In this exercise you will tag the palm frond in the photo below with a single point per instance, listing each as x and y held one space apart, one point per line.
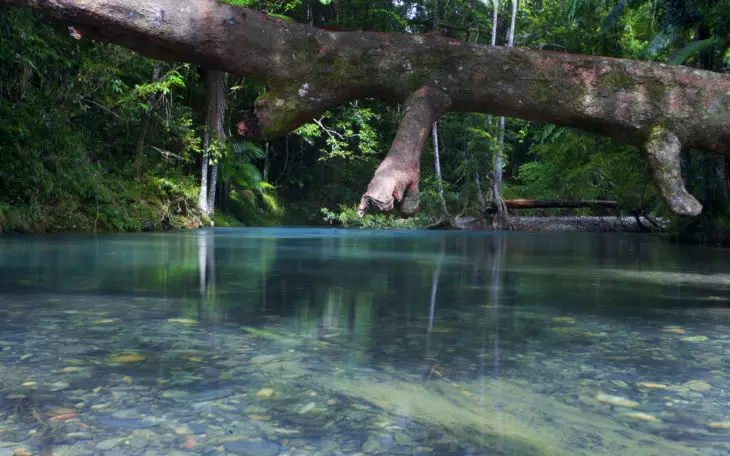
251 174
246 151
694 49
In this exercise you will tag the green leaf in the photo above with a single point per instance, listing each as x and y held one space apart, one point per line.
694 49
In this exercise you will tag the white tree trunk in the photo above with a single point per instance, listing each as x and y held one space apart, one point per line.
212 190
437 164
511 34
203 194
495 16
501 219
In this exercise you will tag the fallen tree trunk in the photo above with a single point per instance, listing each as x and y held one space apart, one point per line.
553 204
661 109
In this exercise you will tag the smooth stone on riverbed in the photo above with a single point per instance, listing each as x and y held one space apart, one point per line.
197 396
122 423
78 449
642 417
263 359
252 447
694 339
719 425
108 444
616 400
265 393
698 385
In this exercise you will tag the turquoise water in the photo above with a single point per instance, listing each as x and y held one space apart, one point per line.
323 341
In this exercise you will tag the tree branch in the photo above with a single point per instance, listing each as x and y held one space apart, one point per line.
310 70
395 183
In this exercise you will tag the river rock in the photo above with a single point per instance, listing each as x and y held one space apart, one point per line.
252 447
698 385
616 400
108 444
694 339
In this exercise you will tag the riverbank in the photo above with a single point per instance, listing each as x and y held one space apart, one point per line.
595 224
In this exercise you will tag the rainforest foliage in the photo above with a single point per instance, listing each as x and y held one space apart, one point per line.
97 138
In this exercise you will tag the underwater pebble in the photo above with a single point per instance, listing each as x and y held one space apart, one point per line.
652 385
307 408
698 385
127 358
182 321
252 447
642 417
719 425
264 393
371 445
108 444
58 386
616 400
263 359
694 339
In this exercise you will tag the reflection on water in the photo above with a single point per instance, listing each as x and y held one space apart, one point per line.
335 342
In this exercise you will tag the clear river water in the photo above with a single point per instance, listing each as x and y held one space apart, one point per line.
350 342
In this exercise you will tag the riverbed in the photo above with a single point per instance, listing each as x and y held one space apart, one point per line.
346 342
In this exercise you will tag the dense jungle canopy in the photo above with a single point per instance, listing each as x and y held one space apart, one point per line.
98 137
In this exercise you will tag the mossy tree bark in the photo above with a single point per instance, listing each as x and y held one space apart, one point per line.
215 112
310 70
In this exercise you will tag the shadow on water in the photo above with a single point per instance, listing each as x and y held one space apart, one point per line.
266 341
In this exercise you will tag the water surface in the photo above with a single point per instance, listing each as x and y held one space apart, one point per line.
337 342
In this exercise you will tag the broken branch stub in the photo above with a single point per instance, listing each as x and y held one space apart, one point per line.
395 183
663 151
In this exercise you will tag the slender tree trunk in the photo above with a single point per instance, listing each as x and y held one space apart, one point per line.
145 123
203 194
480 195
212 190
501 219
437 165
266 159
493 43
215 112
495 16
